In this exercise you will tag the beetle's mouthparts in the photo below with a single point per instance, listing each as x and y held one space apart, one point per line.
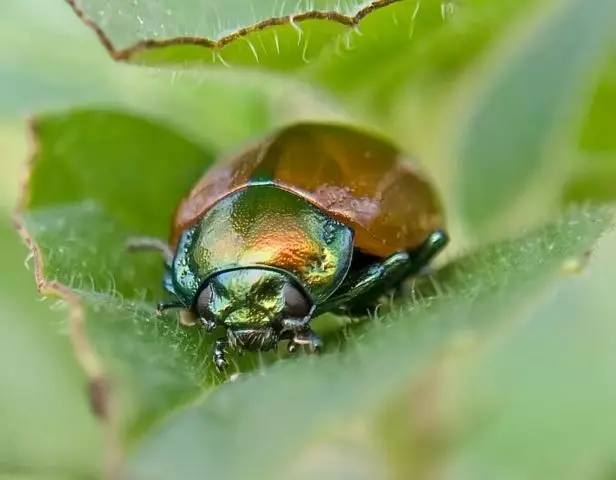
256 338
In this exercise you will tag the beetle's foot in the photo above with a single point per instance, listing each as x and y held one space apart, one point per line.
221 363
316 344
209 325
219 355
305 337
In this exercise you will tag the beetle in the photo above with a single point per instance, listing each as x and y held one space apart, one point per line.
313 218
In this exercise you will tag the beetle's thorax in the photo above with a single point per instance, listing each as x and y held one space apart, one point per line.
263 225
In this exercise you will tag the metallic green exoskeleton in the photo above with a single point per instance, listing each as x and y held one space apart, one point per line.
295 226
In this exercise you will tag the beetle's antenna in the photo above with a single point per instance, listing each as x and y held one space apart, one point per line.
138 244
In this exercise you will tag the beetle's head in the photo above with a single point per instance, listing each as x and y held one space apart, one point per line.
255 305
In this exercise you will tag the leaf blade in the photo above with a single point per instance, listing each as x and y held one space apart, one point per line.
386 357
279 36
506 130
568 343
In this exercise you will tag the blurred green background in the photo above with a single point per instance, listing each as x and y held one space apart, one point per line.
507 373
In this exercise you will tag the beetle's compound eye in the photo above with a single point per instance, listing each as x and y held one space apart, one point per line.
296 303
203 302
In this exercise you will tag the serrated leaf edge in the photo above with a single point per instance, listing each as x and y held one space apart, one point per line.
99 387
127 53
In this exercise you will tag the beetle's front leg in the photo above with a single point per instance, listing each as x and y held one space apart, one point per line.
367 285
136 244
161 307
305 337
219 354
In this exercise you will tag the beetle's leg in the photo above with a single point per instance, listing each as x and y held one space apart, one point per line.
432 245
209 325
426 272
162 306
137 244
185 316
292 324
305 337
170 304
219 353
367 285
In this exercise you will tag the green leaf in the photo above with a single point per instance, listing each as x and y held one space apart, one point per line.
164 19
543 413
272 34
285 47
403 68
497 368
59 65
42 386
481 299
137 172
422 49
63 66
596 136
81 218
594 179
594 175
147 167
517 114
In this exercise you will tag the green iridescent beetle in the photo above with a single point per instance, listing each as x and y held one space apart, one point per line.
311 219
